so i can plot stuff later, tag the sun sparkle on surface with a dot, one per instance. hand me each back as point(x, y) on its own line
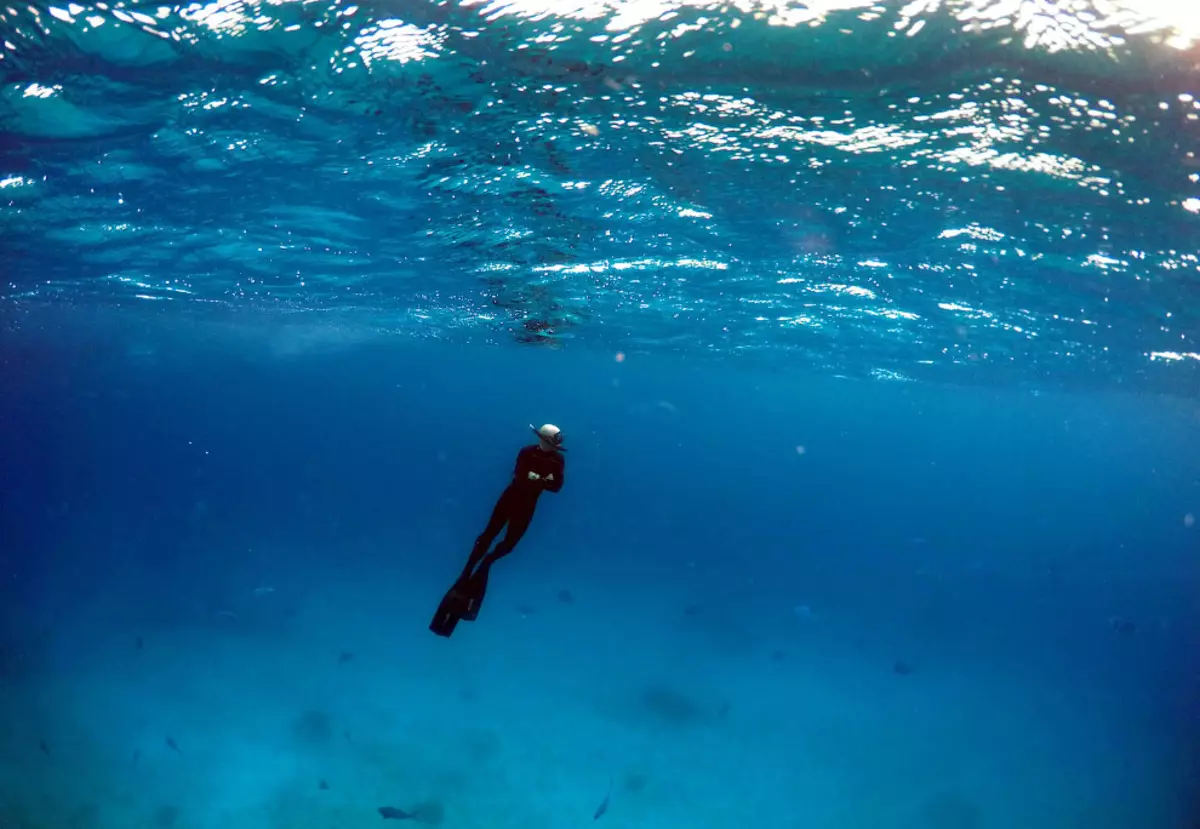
point(1042, 24)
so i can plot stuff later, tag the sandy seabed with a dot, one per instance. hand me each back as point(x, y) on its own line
point(309, 706)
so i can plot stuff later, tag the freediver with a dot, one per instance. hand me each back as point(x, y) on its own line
point(540, 468)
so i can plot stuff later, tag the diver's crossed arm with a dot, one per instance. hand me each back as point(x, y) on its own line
point(554, 481)
point(551, 481)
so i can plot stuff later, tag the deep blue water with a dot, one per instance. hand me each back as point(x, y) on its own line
point(872, 329)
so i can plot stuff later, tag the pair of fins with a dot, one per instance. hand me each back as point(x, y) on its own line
point(460, 602)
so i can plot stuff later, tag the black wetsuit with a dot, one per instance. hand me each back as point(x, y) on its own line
point(516, 504)
point(515, 508)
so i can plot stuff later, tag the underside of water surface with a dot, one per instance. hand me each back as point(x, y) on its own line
point(959, 191)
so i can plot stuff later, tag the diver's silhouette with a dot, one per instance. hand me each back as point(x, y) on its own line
point(540, 467)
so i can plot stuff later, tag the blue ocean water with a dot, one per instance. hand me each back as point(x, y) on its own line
point(871, 328)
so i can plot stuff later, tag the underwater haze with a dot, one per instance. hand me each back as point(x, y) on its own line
point(871, 329)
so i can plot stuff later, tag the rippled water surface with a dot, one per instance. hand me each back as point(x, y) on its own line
point(998, 191)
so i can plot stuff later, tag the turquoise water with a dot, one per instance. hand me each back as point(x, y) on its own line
point(872, 329)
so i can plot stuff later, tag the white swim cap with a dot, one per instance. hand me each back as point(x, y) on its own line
point(549, 433)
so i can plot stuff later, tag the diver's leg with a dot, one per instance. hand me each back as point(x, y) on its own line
point(484, 541)
point(457, 602)
point(518, 522)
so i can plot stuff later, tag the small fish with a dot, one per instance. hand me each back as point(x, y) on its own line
point(171, 745)
point(137, 755)
point(139, 644)
point(45, 748)
point(603, 807)
point(565, 596)
point(323, 786)
point(392, 813)
point(344, 657)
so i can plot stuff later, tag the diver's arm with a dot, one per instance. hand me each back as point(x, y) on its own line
point(554, 481)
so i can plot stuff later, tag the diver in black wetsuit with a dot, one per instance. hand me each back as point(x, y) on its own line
point(540, 467)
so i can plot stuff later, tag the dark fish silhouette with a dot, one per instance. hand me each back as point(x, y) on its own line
point(565, 596)
point(429, 812)
point(323, 786)
point(344, 657)
point(139, 644)
point(171, 745)
point(603, 807)
point(45, 748)
point(392, 813)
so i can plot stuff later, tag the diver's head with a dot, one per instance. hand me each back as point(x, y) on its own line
point(549, 437)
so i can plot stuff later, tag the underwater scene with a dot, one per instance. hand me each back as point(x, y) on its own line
point(641, 414)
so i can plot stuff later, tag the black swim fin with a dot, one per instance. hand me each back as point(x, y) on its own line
point(474, 593)
point(450, 611)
